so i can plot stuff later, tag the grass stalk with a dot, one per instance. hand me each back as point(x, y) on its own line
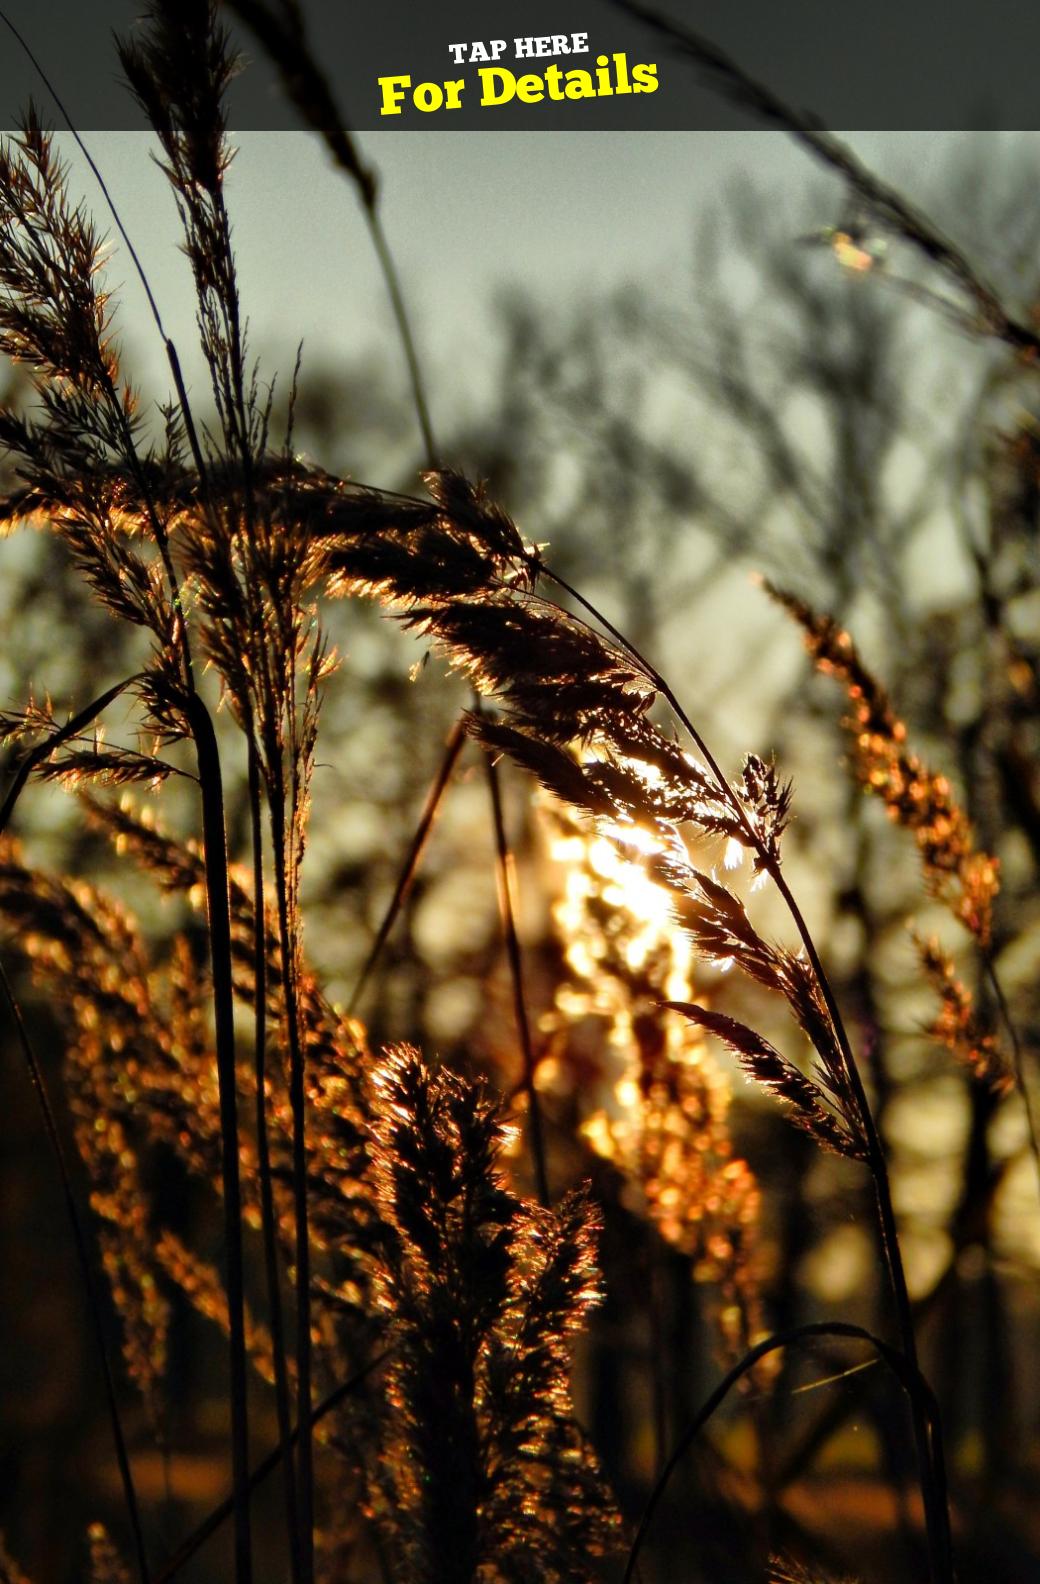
point(452, 749)
point(217, 893)
point(267, 1207)
point(216, 860)
point(516, 971)
point(907, 1374)
point(288, 945)
point(220, 1514)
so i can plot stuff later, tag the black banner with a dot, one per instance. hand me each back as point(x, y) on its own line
point(558, 65)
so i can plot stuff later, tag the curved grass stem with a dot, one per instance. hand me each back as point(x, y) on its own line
point(452, 750)
point(263, 1153)
point(908, 1375)
point(217, 896)
point(516, 972)
point(1018, 1062)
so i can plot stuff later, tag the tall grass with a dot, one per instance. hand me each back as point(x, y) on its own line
point(422, 1370)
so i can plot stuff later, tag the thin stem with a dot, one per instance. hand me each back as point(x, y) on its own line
point(216, 866)
point(404, 329)
point(79, 1238)
point(267, 1207)
point(968, 1222)
point(516, 972)
point(933, 1487)
point(887, 205)
point(94, 169)
point(298, 1105)
point(1016, 1054)
point(908, 1375)
point(452, 749)
point(220, 1514)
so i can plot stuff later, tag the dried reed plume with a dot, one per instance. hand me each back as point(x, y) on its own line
point(483, 1465)
point(478, 1294)
point(139, 1069)
point(964, 878)
point(955, 870)
point(958, 1025)
point(574, 712)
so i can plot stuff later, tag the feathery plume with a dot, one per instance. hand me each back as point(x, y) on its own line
point(957, 1025)
point(483, 1465)
point(963, 877)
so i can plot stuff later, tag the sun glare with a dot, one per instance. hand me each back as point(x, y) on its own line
point(651, 1097)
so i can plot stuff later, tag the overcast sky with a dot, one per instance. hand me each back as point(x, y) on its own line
point(559, 213)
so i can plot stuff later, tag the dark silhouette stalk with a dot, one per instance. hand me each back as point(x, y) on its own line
point(216, 866)
point(452, 749)
point(219, 1516)
point(288, 946)
point(263, 1152)
point(926, 1438)
point(213, 820)
point(909, 1377)
point(523, 1025)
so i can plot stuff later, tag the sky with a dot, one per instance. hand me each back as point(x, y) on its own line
point(562, 214)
